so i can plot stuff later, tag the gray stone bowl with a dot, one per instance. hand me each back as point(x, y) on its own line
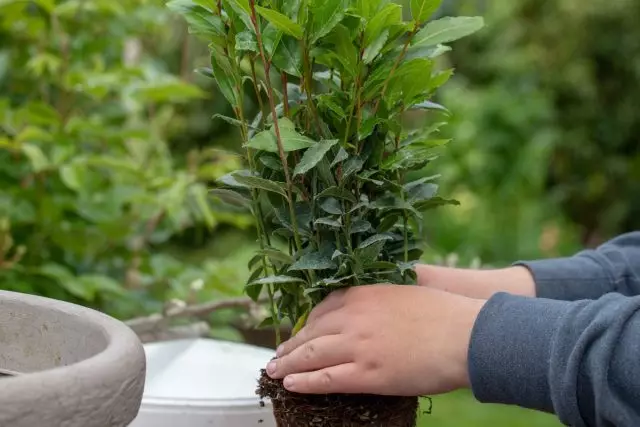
point(67, 366)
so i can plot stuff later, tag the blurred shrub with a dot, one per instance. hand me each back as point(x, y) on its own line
point(554, 85)
point(91, 190)
point(545, 155)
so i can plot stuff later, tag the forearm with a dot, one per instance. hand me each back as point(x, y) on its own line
point(578, 360)
point(612, 267)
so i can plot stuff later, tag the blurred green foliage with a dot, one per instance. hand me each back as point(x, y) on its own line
point(91, 190)
point(546, 156)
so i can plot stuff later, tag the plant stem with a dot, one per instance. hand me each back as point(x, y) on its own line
point(283, 157)
point(285, 93)
point(395, 66)
point(257, 89)
point(257, 209)
point(308, 79)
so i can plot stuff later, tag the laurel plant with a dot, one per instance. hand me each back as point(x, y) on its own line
point(328, 155)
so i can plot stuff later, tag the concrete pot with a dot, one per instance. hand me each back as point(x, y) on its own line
point(71, 366)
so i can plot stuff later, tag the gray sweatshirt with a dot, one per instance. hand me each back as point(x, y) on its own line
point(575, 350)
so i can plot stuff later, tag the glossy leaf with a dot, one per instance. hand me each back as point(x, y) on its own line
point(280, 21)
point(288, 56)
point(325, 16)
point(339, 193)
point(446, 30)
point(313, 156)
point(262, 184)
point(314, 261)
point(231, 197)
point(421, 10)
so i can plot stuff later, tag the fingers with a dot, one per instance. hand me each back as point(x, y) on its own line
point(345, 378)
point(331, 324)
point(333, 302)
point(323, 352)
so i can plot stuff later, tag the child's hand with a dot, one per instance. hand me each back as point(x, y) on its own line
point(386, 340)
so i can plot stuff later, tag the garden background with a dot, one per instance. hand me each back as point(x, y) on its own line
point(108, 146)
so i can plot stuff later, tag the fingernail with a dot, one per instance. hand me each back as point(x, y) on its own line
point(279, 351)
point(288, 383)
point(271, 367)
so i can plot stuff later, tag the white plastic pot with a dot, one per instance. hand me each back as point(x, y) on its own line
point(198, 383)
point(68, 366)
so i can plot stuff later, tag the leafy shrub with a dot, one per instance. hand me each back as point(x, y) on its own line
point(328, 156)
point(90, 187)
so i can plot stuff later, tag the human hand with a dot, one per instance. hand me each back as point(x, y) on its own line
point(482, 284)
point(381, 339)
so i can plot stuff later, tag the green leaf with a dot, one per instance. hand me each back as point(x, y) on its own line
point(388, 222)
point(272, 162)
point(428, 105)
point(381, 265)
point(340, 157)
point(328, 222)
point(421, 10)
point(71, 175)
point(410, 80)
point(230, 120)
point(338, 192)
point(331, 206)
point(241, 9)
point(360, 226)
point(435, 202)
point(344, 51)
point(374, 49)
point(288, 57)
point(101, 284)
point(225, 77)
point(265, 141)
point(320, 260)
point(325, 15)
point(276, 255)
point(389, 15)
point(313, 156)
point(367, 127)
point(370, 253)
point(230, 181)
point(271, 37)
point(275, 280)
point(262, 184)
point(300, 323)
point(291, 139)
point(327, 101)
point(231, 197)
point(421, 192)
point(352, 166)
point(429, 52)
point(38, 160)
point(446, 30)
point(374, 239)
point(200, 20)
point(246, 42)
point(280, 21)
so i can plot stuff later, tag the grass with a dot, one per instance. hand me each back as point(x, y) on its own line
point(462, 410)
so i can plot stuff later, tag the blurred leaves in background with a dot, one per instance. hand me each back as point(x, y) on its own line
point(91, 188)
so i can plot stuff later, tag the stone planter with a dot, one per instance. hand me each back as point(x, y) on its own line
point(70, 366)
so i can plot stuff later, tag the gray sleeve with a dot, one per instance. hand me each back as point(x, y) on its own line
point(590, 274)
point(577, 359)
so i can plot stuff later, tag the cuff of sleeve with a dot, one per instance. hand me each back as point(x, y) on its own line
point(510, 348)
point(569, 279)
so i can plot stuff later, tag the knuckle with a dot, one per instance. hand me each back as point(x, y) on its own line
point(309, 351)
point(371, 364)
point(325, 380)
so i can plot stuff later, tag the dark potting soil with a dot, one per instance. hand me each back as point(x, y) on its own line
point(336, 410)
